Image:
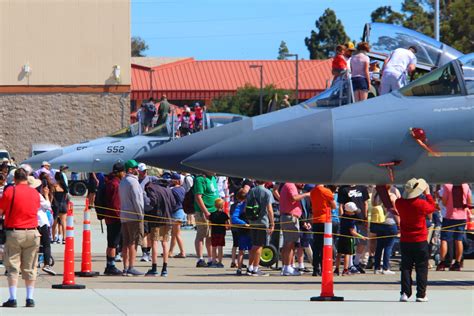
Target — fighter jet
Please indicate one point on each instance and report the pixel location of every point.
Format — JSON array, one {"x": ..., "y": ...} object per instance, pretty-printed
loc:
[
  {"x": 100, "y": 158},
  {"x": 425, "y": 129},
  {"x": 127, "y": 132},
  {"x": 383, "y": 39}
]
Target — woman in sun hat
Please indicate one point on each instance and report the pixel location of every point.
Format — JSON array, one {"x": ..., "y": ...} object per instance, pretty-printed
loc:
[{"x": 413, "y": 234}]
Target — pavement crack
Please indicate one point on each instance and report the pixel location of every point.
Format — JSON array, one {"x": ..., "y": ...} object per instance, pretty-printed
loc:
[{"x": 106, "y": 299}]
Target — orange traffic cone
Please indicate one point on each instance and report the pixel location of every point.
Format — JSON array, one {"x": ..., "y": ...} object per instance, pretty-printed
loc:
[
  {"x": 327, "y": 282},
  {"x": 68, "y": 277},
  {"x": 86, "y": 266}
]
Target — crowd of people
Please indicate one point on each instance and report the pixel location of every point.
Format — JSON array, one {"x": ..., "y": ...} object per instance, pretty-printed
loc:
[{"x": 366, "y": 75}]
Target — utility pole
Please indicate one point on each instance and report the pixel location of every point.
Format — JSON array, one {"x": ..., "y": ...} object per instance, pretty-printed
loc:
[
  {"x": 261, "y": 85},
  {"x": 436, "y": 26},
  {"x": 296, "y": 76}
]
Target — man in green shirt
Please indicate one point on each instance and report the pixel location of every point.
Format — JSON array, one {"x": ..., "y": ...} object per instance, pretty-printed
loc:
[
  {"x": 163, "y": 111},
  {"x": 205, "y": 195}
]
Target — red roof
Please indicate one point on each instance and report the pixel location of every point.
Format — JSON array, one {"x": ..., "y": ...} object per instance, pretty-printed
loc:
[{"x": 191, "y": 79}]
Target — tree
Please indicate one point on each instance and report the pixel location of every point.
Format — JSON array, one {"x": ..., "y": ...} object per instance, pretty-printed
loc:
[
  {"x": 456, "y": 18},
  {"x": 330, "y": 33},
  {"x": 282, "y": 50},
  {"x": 138, "y": 46},
  {"x": 246, "y": 100}
]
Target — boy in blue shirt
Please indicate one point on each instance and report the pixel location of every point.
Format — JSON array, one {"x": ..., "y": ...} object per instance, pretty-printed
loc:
[{"x": 238, "y": 218}]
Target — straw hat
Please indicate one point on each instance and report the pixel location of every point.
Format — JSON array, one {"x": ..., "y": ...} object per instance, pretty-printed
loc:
[
  {"x": 33, "y": 182},
  {"x": 414, "y": 188}
]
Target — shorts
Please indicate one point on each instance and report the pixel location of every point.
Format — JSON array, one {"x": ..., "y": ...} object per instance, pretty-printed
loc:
[
  {"x": 114, "y": 231},
  {"x": 345, "y": 245},
  {"x": 362, "y": 229},
  {"x": 245, "y": 243},
  {"x": 391, "y": 82},
  {"x": 455, "y": 232},
  {"x": 202, "y": 226},
  {"x": 290, "y": 227},
  {"x": 21, "y": 253},
  {"x": 218, "y": 240},
  {"x": 160, "y": 233},
  {"x": 306, "y": 238},
  {"x": 360, "y": 83},
  {"x": 235, "y": 237},
  {"x": 179, "y": 216},
  {"x": 258, "y": 237},
  {"x": 132, "y": 233}
]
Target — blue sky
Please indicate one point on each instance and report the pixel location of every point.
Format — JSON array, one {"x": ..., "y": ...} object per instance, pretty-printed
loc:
[{"x": 240, "y": 29}]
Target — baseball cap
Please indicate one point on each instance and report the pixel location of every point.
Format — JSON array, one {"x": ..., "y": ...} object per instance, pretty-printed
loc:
[
  {"x": 142, "y": 167},
  {"x": 131, "y": 164},
  {"x": 351, "y": 207},
  {"x": 118, "y": 167},
  {"x": 350, "y": 46},
  {"x": 63, "y": 167},
  {"x": 175, "y": 176}
]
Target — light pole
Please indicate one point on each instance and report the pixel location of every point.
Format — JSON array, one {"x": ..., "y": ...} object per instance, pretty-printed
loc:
[
  {"x": 261, "y": 85},
  {"x": 296, "y": 71}
]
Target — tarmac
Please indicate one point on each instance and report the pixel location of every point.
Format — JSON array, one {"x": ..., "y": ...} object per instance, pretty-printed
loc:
[{"x": 212, "y": 291}]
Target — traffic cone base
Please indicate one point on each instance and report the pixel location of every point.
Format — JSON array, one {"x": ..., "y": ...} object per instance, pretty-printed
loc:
[
  {"x": 327, "y": 299},
  {"x": 69, "y": 286},
  {"x": 87, "y": 274}
]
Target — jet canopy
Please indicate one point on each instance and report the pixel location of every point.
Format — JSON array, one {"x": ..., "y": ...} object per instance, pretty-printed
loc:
[{"x": 455, "y": 78}]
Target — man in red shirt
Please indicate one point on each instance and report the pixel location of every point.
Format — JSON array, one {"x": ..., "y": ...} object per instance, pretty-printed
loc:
[
  {"x": 322, "y": 202},
  {"x": 413, "y": 235},
  {"x": 19, "y": 204},
  {"x": 290, "y": 212},
  {"x": 112, "y": 218}
]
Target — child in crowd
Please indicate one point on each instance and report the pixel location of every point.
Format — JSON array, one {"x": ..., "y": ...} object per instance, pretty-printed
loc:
[
  {"x": 238, "y": 218},
  {"x": 218, "y": 220},
  {"x": 345, "y": 244}
]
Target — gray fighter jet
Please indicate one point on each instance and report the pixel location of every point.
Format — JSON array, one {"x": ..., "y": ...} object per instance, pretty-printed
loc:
[
  {"x": 425, "y": 129},
  {"x": 100, "y": 158},
  {"x": 383, "y": 39}
]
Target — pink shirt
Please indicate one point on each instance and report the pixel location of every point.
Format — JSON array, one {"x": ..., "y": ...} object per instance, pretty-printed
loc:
[
  {"x": 451, "y": 212},
  {"x": 287, "y": 204}
]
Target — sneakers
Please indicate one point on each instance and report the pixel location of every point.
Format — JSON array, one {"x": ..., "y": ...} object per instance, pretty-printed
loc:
[
  {"x": 354, "y": 270},
  {"x": 30, "y": 302},
  {"x": 164, "y": 273},
  {"x": 370, "y": 263},
  {"x": 456, "y": 266},
  {"x": 249, "y": 272},
  {"x": 259, "y": 273},
  {"x": 134, "y": 272},
  {"x": 422, "y": 299},
  {"x": 112, "y": 270},
  {"x": 151, "y": 272},
  {"x": 316, "y": 273},
  {"x": 219, "y": 265},
  {"x": 238, "y": 272},
  {"x": 403, "y": 298},
  {"x": 346, "y": 272},
  {"x": 378, "y": 271},
  {"x": 125, "y": 272},
  {"x": 145, "y": 257},
  {"x": 336, "y": 271},
  {"x": 49, "y": 270},
  {"x": 360, "y": 269},
  {"x": 233, "y": 265},
  {"x": 201, "y": 264},
  {"x": 292, "y": 272},
  {"x": 388, "y": 272},
  {"x": 118, "y": 258},
  {"x": 304, "y": 270},
  {"x": 10, "y": 303},
  {"x": 441, "y": 266}
]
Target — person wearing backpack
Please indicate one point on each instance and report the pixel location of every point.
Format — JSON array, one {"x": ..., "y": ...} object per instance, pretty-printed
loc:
[
  {"x": 259, "y": 213},
  {"x": 149, "y": 111},
  {"x": 111, "y": 215},
  {"x": 205, "y": 194}
]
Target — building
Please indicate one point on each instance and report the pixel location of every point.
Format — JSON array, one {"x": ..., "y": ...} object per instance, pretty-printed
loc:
[
  {"x": 186, "y": 80},
  {"x": 64, "y": 71}
]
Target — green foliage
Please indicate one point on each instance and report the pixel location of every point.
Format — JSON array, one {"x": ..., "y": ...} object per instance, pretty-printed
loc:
[
  {"x": 138, "y": 46},
  {"x": 330, "y": 33},
  {"x": 456, "y": 20},
  {"x": 282, "y": 50},
  {"x": 246, "y": 101}
]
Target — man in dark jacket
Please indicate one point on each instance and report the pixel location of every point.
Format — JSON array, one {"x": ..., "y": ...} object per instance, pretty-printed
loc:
[
  {"x": 164, "y": 203},
  {"x": 112, "y": 218}
]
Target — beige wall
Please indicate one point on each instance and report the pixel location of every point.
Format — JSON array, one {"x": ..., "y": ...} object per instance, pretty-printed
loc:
[{"x": 65, "y": 42}]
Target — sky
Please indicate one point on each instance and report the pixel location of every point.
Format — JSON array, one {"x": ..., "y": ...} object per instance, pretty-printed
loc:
[{"x": 240, "y": 29}]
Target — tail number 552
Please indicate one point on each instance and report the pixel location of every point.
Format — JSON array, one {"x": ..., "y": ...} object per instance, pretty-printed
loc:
[{"x": 115, "y": 149}]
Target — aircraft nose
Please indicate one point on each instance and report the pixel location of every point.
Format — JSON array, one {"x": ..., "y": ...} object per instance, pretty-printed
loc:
[
  {"x": 36, "y": 161},
  {"x": 75, "y": 160},
  {"x": 296, "y": 153},
  {"x": 170, "y": 155}
]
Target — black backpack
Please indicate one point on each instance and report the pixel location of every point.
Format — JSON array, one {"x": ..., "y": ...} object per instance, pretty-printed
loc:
[
  {"x": 188, "y": 202},
  {"x": 100, "y": 202},
  {"x": 150, "y": 108},
  {"x": 252, "y": 207}
]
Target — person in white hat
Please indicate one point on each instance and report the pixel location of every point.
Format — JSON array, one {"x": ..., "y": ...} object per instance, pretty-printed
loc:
[{"x": 413, "y": 235}]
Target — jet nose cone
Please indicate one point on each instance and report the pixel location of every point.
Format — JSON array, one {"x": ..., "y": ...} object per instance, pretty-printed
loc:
[
  {"x": 36, "y": 161},
  {"x": 170, "y": 155},
  {"x": 280, "y": 152},
  {"x": 76, "y": 161}
]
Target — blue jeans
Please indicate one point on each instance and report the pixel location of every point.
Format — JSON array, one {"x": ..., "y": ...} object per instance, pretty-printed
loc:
[{"x": 385, "y": 245}]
